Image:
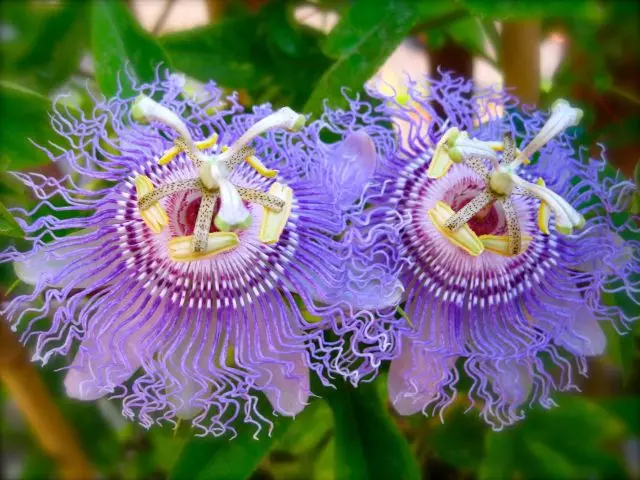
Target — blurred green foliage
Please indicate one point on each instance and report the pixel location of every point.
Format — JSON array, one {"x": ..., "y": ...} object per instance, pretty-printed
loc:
[{"x": 52, "y": 47}]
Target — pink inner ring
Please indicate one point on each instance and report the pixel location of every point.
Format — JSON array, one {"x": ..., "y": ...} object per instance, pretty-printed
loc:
[
  {"x": 182, "y": 209},
  {"x": 489, "y": 221}
]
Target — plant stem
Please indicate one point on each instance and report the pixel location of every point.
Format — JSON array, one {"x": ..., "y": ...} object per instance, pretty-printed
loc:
[
  {"x": 163, "y": 17},
  {"x": 216, "y": 9},
  {"x": 26, "y": 388},
  {"x": 521, "y": 58}
]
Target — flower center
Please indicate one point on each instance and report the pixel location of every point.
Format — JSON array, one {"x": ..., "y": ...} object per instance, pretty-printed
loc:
[
  {"x": 488, "y": 221},
  {"x": 182, "y": 210},
  {"x": 465, "y": 225},
  {"x": 222, "y": 203}
]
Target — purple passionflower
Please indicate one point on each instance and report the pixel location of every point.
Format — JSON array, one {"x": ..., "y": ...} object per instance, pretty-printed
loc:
[
  {"x": 190, "y": 256},
  {"x": 509, "y": 245}
]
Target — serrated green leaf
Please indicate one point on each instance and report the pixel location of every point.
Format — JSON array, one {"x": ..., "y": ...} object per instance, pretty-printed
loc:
[
  {"x": 118, "y": 41},
  {"x": 8, "y": 225},
  {"x": 368, "y": 444}
]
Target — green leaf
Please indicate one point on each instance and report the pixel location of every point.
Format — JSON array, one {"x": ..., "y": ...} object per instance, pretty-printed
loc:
[
  {"x": 22, "y": 21},
  {"x": 635, "y": 202},
  {"x": 499, "y": 458},
  {"x": 626, "y": 409},
  {"x": 8, "y": 225},
  {"x": 546, "y": 462},
  {"x": 458, "y": 440},
  {"x": 368, "y": 444},
  {"x": 568, "y": 441},
  {"x": 118, "y": 42},
  {"x": 468, "y": 33},
  {"x": 519, "y": 9},
  {"x": 26, "y": 117},
  {"x": 360, "y": 43},
  {"x": 56, "y": 51},
  {"x": 220, "y": 52},
  {"x": 95, "y": 433},
  {"x": 228, "y": 458},
  {"x": 308, "y": 429},
  {"x": 267, "y": 54},
  {"x": 298, "y": 453}
]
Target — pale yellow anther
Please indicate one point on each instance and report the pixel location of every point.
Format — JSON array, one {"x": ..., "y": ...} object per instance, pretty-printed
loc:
[
  {"x": 441, "y": 161},
  {"x": 463, "y": 237},
  {"x": 544, "y": 212},
  {"x": 500, "y": 244},
  {"x": 155, "y": 217},
  {"x": 495, "y": 146},
  {"x": 273, "y": 223},
  {"x": 208, "y": 142},
  {"x": 181, "y": 248},
  {"x": 169, "y": 155},
  {"x": 259, "y": 167}
]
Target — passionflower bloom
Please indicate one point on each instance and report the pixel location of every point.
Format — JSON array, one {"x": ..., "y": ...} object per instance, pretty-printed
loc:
[
  {"x": 181, "y": 272},
  {"x": 510, "y": 246}
]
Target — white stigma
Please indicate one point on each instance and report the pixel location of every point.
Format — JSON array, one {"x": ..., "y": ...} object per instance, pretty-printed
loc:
[
  {"x": 284, "y": 118},
  {"x": 147, "y": 109},
  {"x": 563, "y": 116}
]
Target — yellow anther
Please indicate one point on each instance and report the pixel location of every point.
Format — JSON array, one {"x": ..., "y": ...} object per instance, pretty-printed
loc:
[
  {"x": 259, "y": 167},
  {"x": 273, "y": 223},
  {"x": 181, "y": 250},
  {"x": 544, "y": 212},
  {"x": 500, "y": 244},
  {"x": 208, "y": 142},
  {"x": 544, "y": 217},
  {"x": 155, "y": 217},
  {"x": 169, "y": 155},
  {"x": 463, "y": 237},
  {"x": 441, "y": 161},
  {"x": 495, "y": 146}
]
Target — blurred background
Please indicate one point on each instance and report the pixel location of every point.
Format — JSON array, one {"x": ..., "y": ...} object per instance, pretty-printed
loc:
[{"x": 298, "y": 53}]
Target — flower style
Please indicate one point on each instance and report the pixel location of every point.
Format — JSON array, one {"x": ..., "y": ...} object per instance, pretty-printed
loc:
[
  {"x": 494, "y": 289},
  {"x": 188, "y": 259}
]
